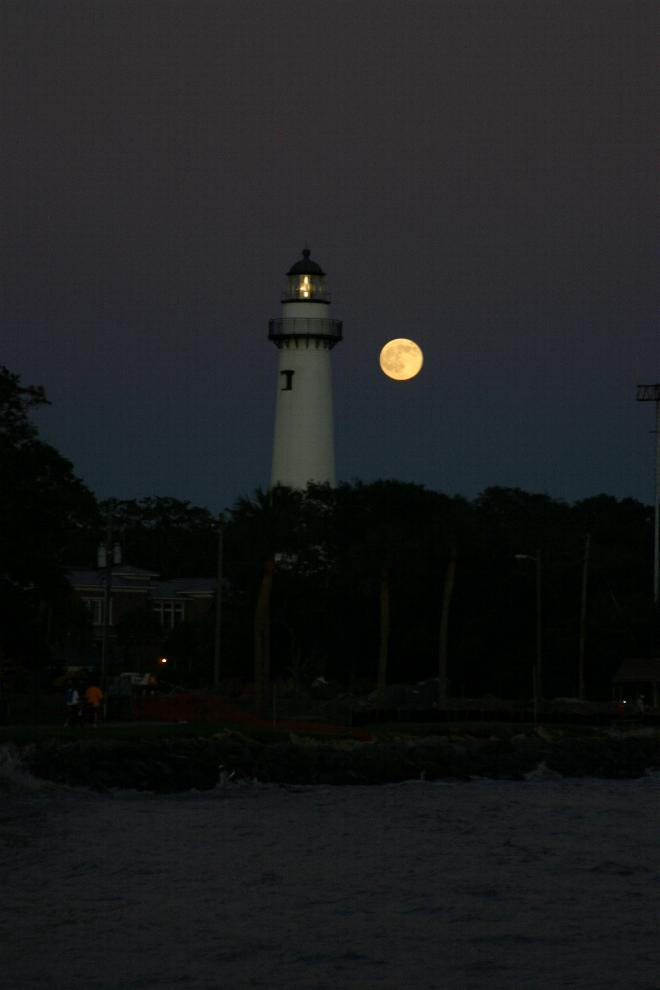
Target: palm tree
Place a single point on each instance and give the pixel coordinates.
(447, 592)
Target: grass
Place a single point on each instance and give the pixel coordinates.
(377, 731)
(35, 733)
(26, 733)
(481, 730)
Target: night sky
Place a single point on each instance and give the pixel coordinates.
(478, 176)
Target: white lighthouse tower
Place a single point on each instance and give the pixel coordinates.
(305, 334)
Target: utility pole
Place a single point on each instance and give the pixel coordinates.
(218, 612)
(105, 560)
(108, 555)
(651, 393)
(539, 633)
(384, 635)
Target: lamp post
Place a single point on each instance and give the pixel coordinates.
(217, 636)
(537, 674)
(109, 553)
(651, 393)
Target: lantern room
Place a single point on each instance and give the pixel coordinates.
(305, 282)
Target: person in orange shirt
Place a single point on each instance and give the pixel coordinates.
(93, 699)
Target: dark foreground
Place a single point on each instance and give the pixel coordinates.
(490, 885)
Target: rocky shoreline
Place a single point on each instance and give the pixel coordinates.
(180, 764)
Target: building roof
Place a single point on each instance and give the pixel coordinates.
(123, 577)
(639, 669)
(189, 587)
(137, 579)
(305, 266)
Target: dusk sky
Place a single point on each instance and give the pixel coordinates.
(478, 176)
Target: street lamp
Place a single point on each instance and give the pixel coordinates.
(538, 668)
(651, 393)
(217, 638)
(109, 553)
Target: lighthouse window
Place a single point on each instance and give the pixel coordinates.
(303, 287)
(288, 381)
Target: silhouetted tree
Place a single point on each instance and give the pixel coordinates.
(139, 637)
(169, 536)
(366, 564)
(44, 508)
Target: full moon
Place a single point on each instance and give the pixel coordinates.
(401, 359)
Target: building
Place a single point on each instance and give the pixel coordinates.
(639, 675)
(303, 447)
(132, 589)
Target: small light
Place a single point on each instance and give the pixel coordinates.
(163, 659)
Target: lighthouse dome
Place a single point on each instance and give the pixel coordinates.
(305, 282)
(306, 266)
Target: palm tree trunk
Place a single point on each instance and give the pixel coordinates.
(447, 592)
(262, 639)
(583, 616)
(384, 634)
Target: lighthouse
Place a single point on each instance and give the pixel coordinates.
(303, 448)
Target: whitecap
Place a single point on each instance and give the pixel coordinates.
(14, 775)
(542, 772)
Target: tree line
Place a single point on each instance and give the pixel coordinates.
(365, 584)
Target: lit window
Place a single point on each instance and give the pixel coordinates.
(169, 613)
(95, 606)
(305, 287)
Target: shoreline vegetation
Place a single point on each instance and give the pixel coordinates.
(167, 758)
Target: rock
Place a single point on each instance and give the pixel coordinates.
(167, 765)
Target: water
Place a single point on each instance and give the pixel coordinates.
(547, 883)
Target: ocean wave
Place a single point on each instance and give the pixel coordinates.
(457, 884)
(15, 776)
(542, 772)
